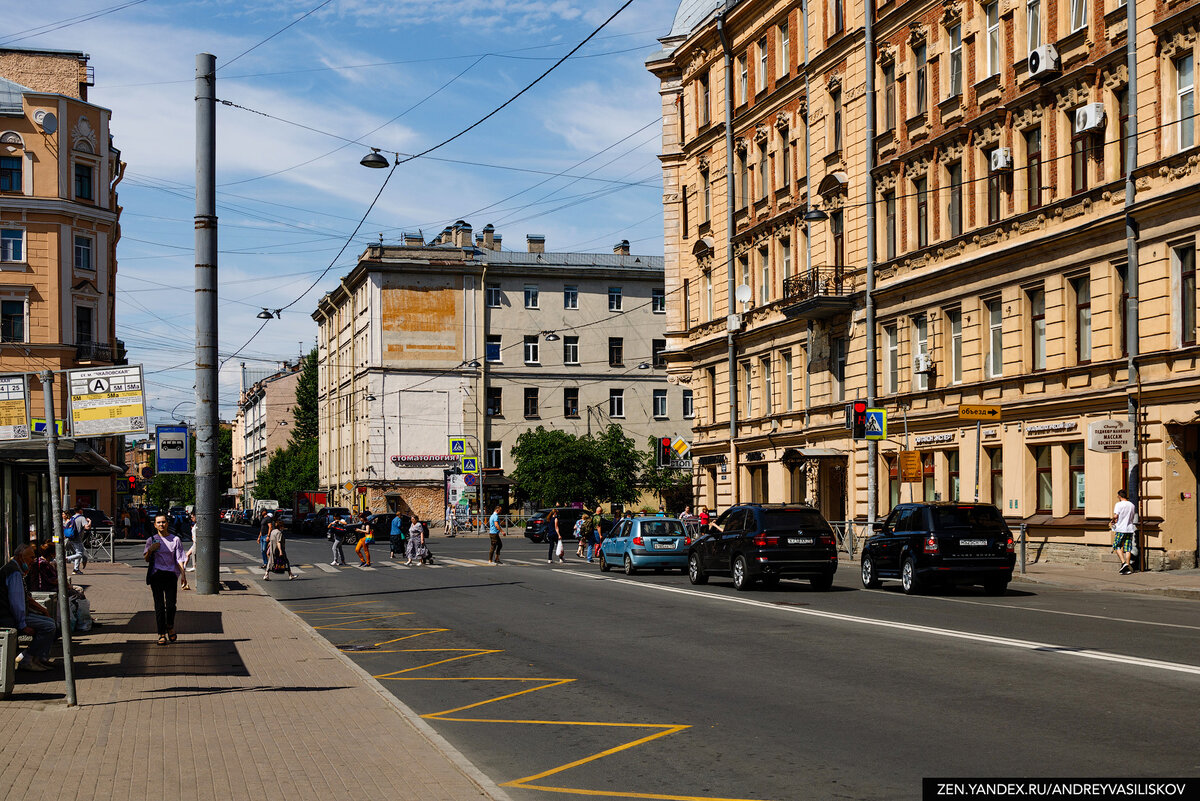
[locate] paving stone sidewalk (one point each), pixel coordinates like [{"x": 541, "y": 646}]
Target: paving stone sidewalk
[{"x": 250, "y": 703}]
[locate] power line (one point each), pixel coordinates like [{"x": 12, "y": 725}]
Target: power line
[
  {"x": 300, "y": 19},
  {"x": 51, "y": 27}
]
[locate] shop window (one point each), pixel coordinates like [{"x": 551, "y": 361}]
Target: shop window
[
  {"x": 1045, "y": 480},
  {"x": 995, "y": 461},
  {"x": 1075, "y": 452},
  {"x": 927, "y": 478},
  {"x": 893, "y": 471},
  {"x": 955, "y": 484}
]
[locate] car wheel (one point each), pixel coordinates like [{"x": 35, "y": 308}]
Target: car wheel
[
  {"x": 908, "y": 577},
  {"x": 822, "y": 582},
  {"x": 996, "y": 586},
  {"x": 629, "y": 568},
  {"x": 741, "y": 574},
  {"x": 696, "y": 573},
  {"x": 604, "y": 565},
  {"x": 869, "y": 579}
]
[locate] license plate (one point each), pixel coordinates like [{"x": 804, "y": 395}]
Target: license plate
[
  {"x": 973, "y": 543},
  {"x": 800, "y": 541},
  {"x": 664, "y": 546}
]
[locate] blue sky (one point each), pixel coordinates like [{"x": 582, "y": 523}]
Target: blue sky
[{"x": 400, "y": 75}]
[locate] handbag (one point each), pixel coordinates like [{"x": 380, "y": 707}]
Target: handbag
[
  {"x": 558, "y": 548},
  {"x": 150, "y": 565}
]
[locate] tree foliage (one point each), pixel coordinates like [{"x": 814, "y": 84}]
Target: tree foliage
[
  {"x": 288, "y": 471},
  {"x": 555, "y": 468},
  {"x": 167, "y": 487},
  {"x": 306, "y": 424}
]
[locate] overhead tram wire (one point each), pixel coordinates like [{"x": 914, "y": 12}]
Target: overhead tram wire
[
  {"x": 51, "y": 27},
  {"x": 296, "y": 21}
]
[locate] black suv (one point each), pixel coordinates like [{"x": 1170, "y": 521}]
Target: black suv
[
  {"x": 535, "y": 529},
  {"x": 925, "y": 544},
  {"x": 761, "y": 542}
]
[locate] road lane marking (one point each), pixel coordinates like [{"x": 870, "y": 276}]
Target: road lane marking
[
  {"x": 326, "y": 568},
  {"x": 1062, "y": 612},
  {"x": 1025, "y": 645}
]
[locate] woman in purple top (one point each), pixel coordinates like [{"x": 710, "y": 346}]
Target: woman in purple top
[{"x": 163, "y": 554}]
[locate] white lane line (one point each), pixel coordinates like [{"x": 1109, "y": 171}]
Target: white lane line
[
  {"x": 250, "y": 557},
  {"x": 1025, "y": 645},
  {"x": 1060, "y": 612}
]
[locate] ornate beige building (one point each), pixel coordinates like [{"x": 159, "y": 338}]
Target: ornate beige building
[{"x": 1000, "y": 261}]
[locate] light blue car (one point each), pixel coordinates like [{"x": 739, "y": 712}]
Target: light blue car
[{"x": 639, "y": 543}]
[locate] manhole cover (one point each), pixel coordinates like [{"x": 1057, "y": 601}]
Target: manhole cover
[{"x": 360, "y": 647}]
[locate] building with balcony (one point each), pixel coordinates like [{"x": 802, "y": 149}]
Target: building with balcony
[
  {"x": 457, "y": 337},
  {"x": 262, "y": 425},
  {"x": 998, "y": 255}
]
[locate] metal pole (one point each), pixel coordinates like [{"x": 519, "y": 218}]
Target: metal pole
[
  {"x": 869, "y": 184},
  {"x": 1131, "y": 272},
  {"x": 1024, "y": 528},
  {"x": 978, "y": 456},
  {"x": 60, "y": 558},
  {"x": 808, "y": 266},
  {"x": 731, "y": 201},
  {"x": 208, "y": 552}
]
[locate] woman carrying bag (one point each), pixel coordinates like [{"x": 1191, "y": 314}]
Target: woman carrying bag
[
  {"x": 277, "y": 560},
  {"x": 163, "y": 555},
  {"x": 554, "y": 538}
]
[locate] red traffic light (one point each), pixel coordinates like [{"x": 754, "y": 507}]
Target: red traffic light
[
  {"x": 132, "y": 482},
  {"x": 860, "y": 407}
]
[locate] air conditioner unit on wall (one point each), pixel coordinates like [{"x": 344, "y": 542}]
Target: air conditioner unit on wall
[
  {"x": 922, "y": 363},
  {"x": 1089, "y": 118},
  {"x": 1002, "y": 159},
  {"x": 1044, "y": 62}
]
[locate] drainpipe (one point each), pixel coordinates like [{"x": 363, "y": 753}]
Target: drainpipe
[
  {"x": 869, "y": 184},
  {"x": 1131, "y": 275},
  {"x": 730, "y": 200},
  {"x": 808, "y": 343}
]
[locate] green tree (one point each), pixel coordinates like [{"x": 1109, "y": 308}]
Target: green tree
[
  {"x": 622, "y": 463},
  {"x": 554, "y": 467},
  {"x": 288, "y": 471},
  {"x": 166, "y": 488},
  {"x": 306, "y": 424},
  {"x": 224, "y": 458}
]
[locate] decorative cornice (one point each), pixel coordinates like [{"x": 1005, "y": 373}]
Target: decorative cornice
[
  {"x": 83, "y": 138},
  {"x": 782, "y": 121}
]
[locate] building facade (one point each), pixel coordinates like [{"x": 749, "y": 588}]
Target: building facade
[
  {"x": 458, "y": 337},
  {"x": 59, "y": 227},
  {"x": 1000, "y": 261},
  {"x": 262, "y": 425}
]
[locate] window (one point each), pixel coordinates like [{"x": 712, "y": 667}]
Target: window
[
  {"x": 785, "y": 158},
  {"x": 707, "y": 196},
  {"x": 687, "y": 303},
  {"x": 927, "y": 478},
  {"x": 837, "y": 230},
  {"x": 955, "y": 207},
  {"x": 570, "y": 401},
  {"x": 952, "y": 474},
  {"x": 1122, "y": 273},
  {"x": 1033, "y": 23},
  {"x": 840, "y": 348},
  {"x": 1079, "y": 154},
  {"x": 12, "y": 242},
  {"x": 760, "y": 78},
  {"x": 494, "y": 296},
  {"x": 614, "y": 298},
  {"x": 922, "y": 90},
  {"x": 531, "y": 402},
  {"x": 995, "y": 193},
  {"x": 660, "y": 403},
  {"x": 763, "y": 163},
  {"x": 995, "y": 460},
  {"x": 495, "y": 402},
  {"x": 491, "y": 350},
  {"x": 10, "y": 174},
  {"x": 788, "y": 400},
  {"x": 658, "y": 350},
  {"x": 743, "y": 187},
  {"x": 920, "y": 348},
  {"x": 837, "y": 10},
  {"x": 689, "y": 405},
  {"x": 954, "y": 33},
  {"x": 712, "y": 394},
  {"x": 616, "y": 403},
  {"x": 785, "y": 257},
  {"x": 1078, "y": 15},
  {"x": 891, "y": 359},
  {"x": 744, "y": 269},
  {"x": 708, "y": 295},
  {"x": 658, "y": 300},
  {"x": 616, "y": 352},
  {"x": 570, "y": 350},
  {"x": 83, "y": 325},
  {"x": 1078, "y": 487},
  {"x": 683, "y": 211},
  {"x": 83, "y": 181},
  {"x": 742, "y": 81},
  {"x": 954, "y": 319},
  {"x": 493, "y": 456},
  {"x": 1045, "y": 480},
  {"x": 531, "y": 349},
  {"x": 1037, "y": 333},
  {"x": 995, "y": 355},
  {"x": 1033, "y": 167},
  {"x": 991, "y": 13},
  {"x": 1082, "y": 289},
  {"x": 531, "y": 296},
  {"x": 835, "y": 97},
  {"x": 1123, "y": 131},
  {"x": 922, "y": 192},
  {"x": 12, "y": 321},
  {"x": 1185, "y": 256},
  {"x": 703, "y": 103},
  {"x": 764, "y": 276},
  {"x": 747, "y": 389},
  {"x": 768, "y": 384},
  {"x": 83, "y": 253},
  {"x": 785, "y": 49},
  {"x": 889, "y": 97},
  {"x": 1185, "y": 102},
  {"x": 889, "y": 224},
  {"x": 570, "y": 297}
]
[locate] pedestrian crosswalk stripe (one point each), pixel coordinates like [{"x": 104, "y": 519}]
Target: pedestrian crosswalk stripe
[
  {"x": 225, "y": 570},
  {"x": 326, "y": 568}
]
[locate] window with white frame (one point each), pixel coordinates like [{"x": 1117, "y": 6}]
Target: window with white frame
[
  {"x": 764, "y": 276},
  {"x": 760, "y": 78},
  {"x": 954, "y": 34},
  {"x": 491, "y": 349},
  {"x": 763, "y": 164},
  {"x": 995, "y": 354},
  {"x": 570, "y": 297},
  {"x": 494, "y": 456},
  {"x": 708, "y": 295},
  {"x": 1037, "y": 333},
  {"x": 570, "y": 350},
  {"x": 658, "y": 300},
  {"x": 614, "y": 298},
  {"x": 920, "y": 350},
  {"x": 495, "y": 298},
  {"x": 785, "y": 49},
  {"x": 1079, "y": 11},
  {"x": 891, "y": 359},
  {"x": 954, "y": 319},
  {"x": 531, "y": 349},
  {"x": 12, "y": 244},
  {"x": 747, "y": 389},
  {"x": 785, "y": 257},
  {"x": 689, "y": 405},
  {"x": 12, "y": 320},
  {"x": 991, "y": 13},
  {"x": 660, "y": 403},
  {"x": 1033, "y": 24},
  {"x": 785, "y": 158},
  {"x": 785, "y": 359},
  {"x": 616, "y": 403},
  {"x": 1081, "y": 288},
  {"x": 1185, "y": 101},
  {"x": 83, "y": 253},
  {"x": 531, "y": 296},
  {"x": 1184, "y": 258},
  {"x": 743, "y": 80},
  {"x": 707, "y": 185},
  {"x": 768, "y": 384}
]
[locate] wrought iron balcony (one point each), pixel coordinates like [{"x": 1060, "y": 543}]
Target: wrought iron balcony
[
  {"x": 819, "y": 292},
  {"x": 93, "y": 352}
]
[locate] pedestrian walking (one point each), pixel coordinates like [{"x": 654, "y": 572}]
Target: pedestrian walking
[
  {"x": 264, "y": 534},
  {"x": 705, "y": 519},
  {"x": 19, "y": 611},
  {"x": 335, "y": 534},
  {"x": 365, "y": 538},
  {"x": 451, "y": 521},
  {"x": 582, "y": 534},
  {"x": 554, "y": 539},
  {"x": 1124, "y": 527},
  {"x": 415, "y": 546},
  {"x": 495, "y": 532},
  {"x": 80, "y": 525},
  {"x": 396, "y": 536},
  {"x": 163, "y": 555},
  {"x": 277, "y": 560}
]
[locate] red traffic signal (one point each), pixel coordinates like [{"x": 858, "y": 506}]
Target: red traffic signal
[
  {"x": 858, "y": 427},
  {"x": 664, "y": 452}
]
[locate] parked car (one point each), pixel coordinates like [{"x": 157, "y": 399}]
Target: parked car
[
  {"x": 928, "y": 544},
  {"x": 765, "y": 542},
  {"x": 283, "y": 519},
  {"x": 660, "y": 543},
  {"x": 535, "y": 529}
]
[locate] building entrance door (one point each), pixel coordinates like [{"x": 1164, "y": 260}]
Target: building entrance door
[{"x": 832, "y": 496}]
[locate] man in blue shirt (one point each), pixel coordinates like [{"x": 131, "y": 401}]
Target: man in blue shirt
[
  {"x": 495, "y": 531},
  {"x": 19, "y": 611},
  {"x": 397, "y": 535}
]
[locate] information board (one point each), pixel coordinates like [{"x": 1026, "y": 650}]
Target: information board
[
  {"x": 14, "y": 408},
  {"x": 171, "y": 449},
  {"x": 107, "y": 401}
]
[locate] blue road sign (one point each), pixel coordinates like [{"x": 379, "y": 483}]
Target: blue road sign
[
  {"x": 876, "y": 424},
  {"x": 470, "y": 464},
  {"x": 458, "y": 446},
  {"x": 171, "y": 449}
]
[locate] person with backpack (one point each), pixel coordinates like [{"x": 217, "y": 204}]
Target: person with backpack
[{"x": 79, "y": 526}]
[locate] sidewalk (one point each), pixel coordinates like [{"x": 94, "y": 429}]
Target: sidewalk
[
  {"x": 1104, "y": 577},
  {"x": 250, "y": 703}
]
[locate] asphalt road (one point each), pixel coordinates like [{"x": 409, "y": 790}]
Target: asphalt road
[{"x": 646, "y": 687}]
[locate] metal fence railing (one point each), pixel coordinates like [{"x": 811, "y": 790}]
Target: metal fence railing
[
  {"x": 847, "y": 539},
  {"x": 99, "y": 541}
]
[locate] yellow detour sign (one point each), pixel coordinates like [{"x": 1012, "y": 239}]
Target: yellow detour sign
[
  {"x": 14, "y": 408},
  {"x": 977, "y": 411},
  {"x": 107, "y": 400},
  {"x": 910, "y": 467}
]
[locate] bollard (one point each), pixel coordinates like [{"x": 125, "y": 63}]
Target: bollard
[
  {"x": 1023, "y": 549},
  {"x": 8, "y": 661}
]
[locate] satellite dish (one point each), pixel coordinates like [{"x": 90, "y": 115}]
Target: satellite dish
[
  {"x": 742, "y": 293},
  {"x": 46, "y": 120}
]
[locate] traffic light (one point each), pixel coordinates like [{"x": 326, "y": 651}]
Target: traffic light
[
  {"x": 858, "y": 420},
  {"x": 132, "y": 485},
  {"x": 665, "y": 454}
]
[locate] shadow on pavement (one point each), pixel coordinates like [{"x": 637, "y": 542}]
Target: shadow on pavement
[{"x": 366, "y": 593}]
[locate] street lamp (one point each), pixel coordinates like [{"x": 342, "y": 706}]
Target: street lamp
[
  {"x": 815, "y": 214},
  {"x": 374, "y": 160},
  {"x": 265, "y": 315}
]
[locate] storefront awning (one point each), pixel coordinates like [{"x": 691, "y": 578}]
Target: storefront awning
[{"x": 75, "y": 458}]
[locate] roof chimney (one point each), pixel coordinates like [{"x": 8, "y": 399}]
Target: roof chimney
[
  {"x": 621, "y": 248},
  {"x": 536, "y": 242},
  {"x": 462, "y": 234},
  {"x": 412, "y": 240},
  {"x": 499, "y": 240},
  {"x": 489, "y": 237}
]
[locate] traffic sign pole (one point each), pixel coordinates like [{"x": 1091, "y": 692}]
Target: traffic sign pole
[{"x": 978, "y": 456}]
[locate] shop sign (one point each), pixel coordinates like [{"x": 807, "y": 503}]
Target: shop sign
[
  {"x": 910, "y": 467},
  {"x": 1050, "y": 428},
  {"x": 1110, "y": 436},
  {"x": 754, "y": 456},
  {"x": 935, "y": 439},
  {"x": 424, "y": 459},
  {"x": 714, "y": 458}
]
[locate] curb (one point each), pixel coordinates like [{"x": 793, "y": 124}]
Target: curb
[
  {"x": 487, "y": 787},
  {"x": 1169, "y": 592}
]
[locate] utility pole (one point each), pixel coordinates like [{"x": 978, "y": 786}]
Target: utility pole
[
  {"x": 1133, "y": 479},
  {"x": 60, "y": 559},
  {"x": 869, "y": 182},
  {"x": 208, "y": 551}
]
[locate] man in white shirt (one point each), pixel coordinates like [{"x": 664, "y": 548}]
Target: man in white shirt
[{"x": 1124, "y": 528}]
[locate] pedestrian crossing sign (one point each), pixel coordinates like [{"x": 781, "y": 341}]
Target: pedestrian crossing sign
[
  {"x": 876, "y": 427},
  {"x": 470, "y": 465},
  {"x": 458, "y": 446}
]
